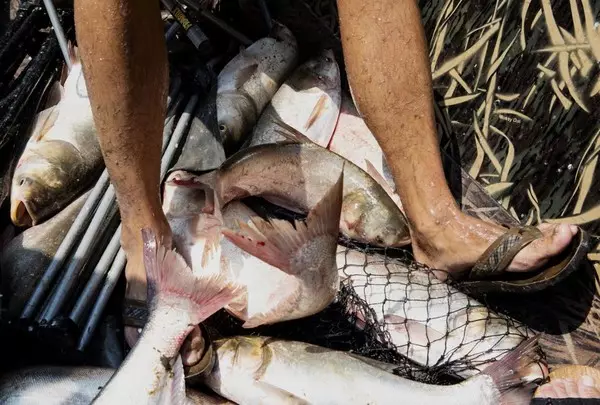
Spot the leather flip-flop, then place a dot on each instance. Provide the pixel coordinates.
(135, 314)
(489, 273)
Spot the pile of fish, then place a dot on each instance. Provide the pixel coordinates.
(293, 137)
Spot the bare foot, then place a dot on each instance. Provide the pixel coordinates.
(135, 274)
(455, 244)
(584, 387)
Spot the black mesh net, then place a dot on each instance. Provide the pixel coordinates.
(392, 309)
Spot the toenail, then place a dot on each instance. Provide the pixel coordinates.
(587, 381)
(574, 229)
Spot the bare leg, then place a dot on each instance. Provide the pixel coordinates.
(124, 60)
(393, 92)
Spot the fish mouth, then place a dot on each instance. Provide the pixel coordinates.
(19, 214)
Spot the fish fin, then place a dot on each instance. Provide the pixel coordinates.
(374, 173)
(288, 132)
(415, 330)
(276, 396)
(283, 300)
(510, 373)
(172, 282)
(44, 121)
(55, 94)
(317, 112)
(276, 241)
(245, 74)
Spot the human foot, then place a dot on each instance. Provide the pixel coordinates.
(584, 387)
(457, 242)
(193, 347)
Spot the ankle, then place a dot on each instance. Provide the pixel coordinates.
(430, 222)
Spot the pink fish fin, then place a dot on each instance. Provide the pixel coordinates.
(43, 122)
(276, 241)
(273, 395)
(290, 133)
(55, 94)
(284, 301)
(245, 74)
(171, 282)
(238, 307)
(317, 112)
(208, 228)
(515, 374)
(416, 330)
(374, 173)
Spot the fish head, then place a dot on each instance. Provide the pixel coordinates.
(365, 223)
(236, 115)
(47, 177)
(283, 34)
(320, 73)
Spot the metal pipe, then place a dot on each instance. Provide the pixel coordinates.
(65, 247)
(244, 40)
(193, 32)
(80, 257)
(60, 34)
(96, 278)
(172, 31)
(81, 221)
(120, 260)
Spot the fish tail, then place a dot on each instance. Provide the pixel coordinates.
(515, 374)
(171, 281)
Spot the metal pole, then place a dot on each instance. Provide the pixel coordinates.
(60, 34)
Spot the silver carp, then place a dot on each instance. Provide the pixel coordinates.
(60, 385)
(62, 157)
(179, 299)
(429, 321)
(267, 371)
(250, 80)
(296, 176)
(299, 263)
(308, 101)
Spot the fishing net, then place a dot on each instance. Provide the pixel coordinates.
(392, 309)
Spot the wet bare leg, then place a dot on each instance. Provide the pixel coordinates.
(386, 58)
(123, 53)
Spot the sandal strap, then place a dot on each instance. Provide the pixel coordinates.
(498, 256)
(135, 313)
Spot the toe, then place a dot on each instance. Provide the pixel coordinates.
(556, 238)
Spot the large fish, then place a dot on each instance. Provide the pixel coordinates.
(60, 385)
(428, 321)
(296, 176)
(263, 370)
(353, 140)
(179, 299)
(309, 101)
(26, 257)
(287, 273)
(62, 157)
(250, 80)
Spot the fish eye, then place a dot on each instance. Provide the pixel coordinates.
(222, 128)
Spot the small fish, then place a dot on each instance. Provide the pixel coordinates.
(26, 257)
(296, 176)
(429, 321)
(353, 140)
(287, 273)
(61, 385)
(62, 157)
(179, 299)
(268, 371)
(309, 101)
(250, 80)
